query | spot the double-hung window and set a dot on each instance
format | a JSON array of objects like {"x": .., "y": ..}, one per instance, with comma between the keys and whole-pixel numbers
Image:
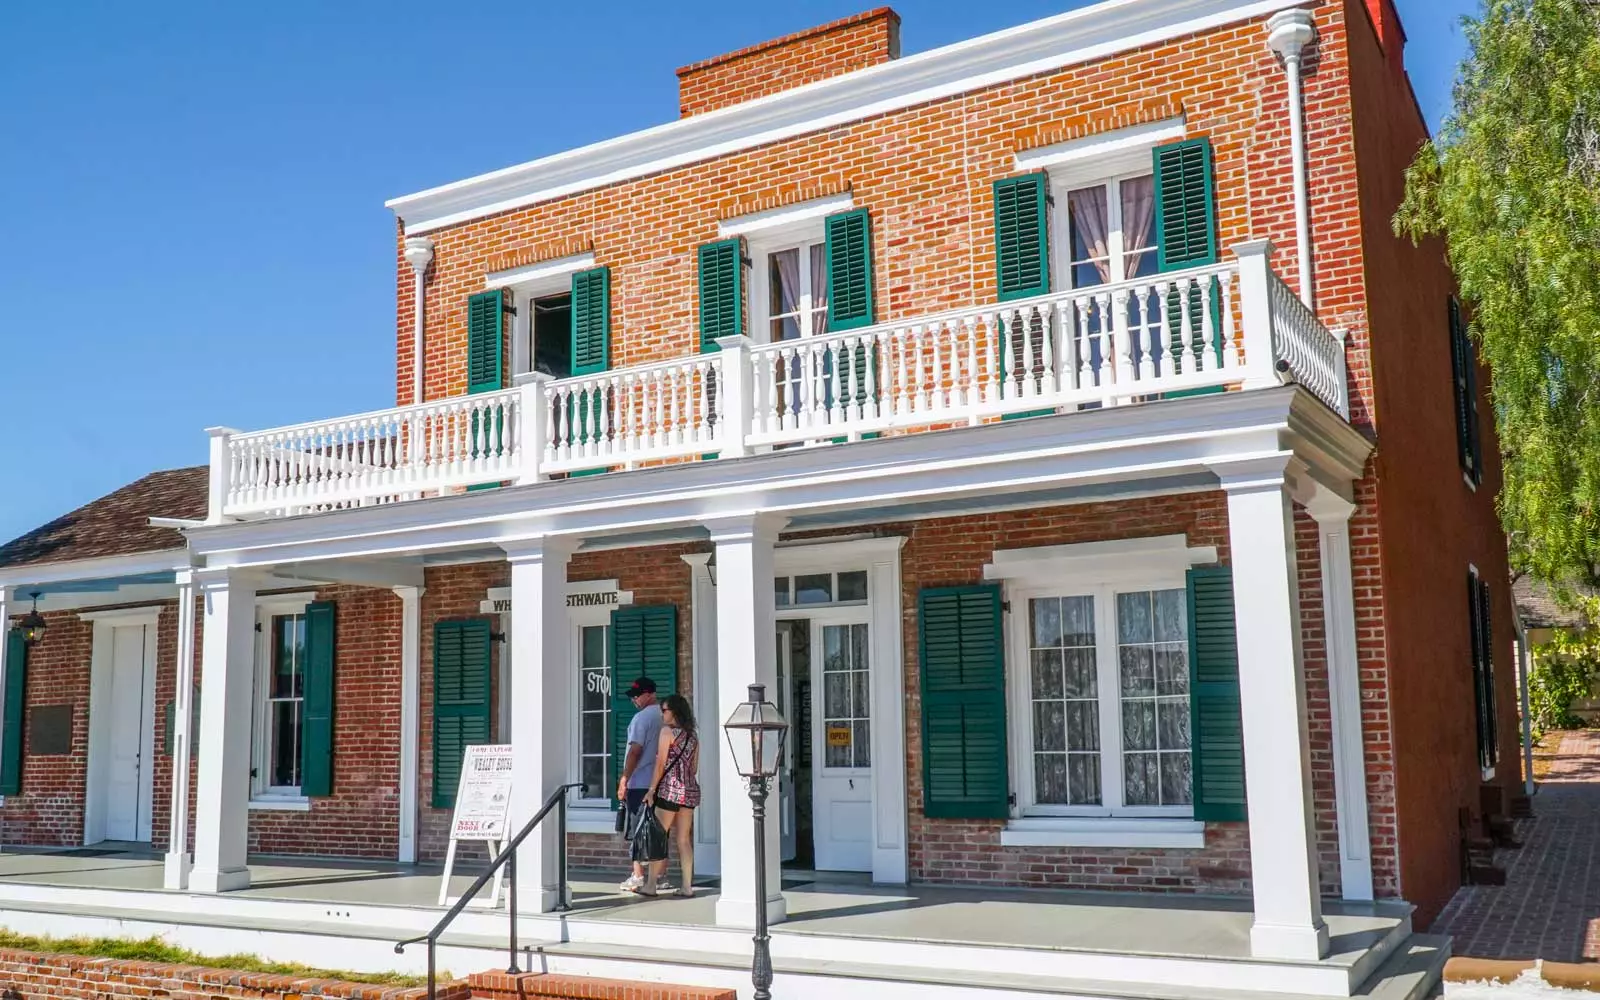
[
  {"x": 282, "y": 653},
  {"x": 594, "y": 713},
  {"x": 790, "y": 303},
  {"x": 1111, "y": 230},
  {"x": 1105, "y": 677}
]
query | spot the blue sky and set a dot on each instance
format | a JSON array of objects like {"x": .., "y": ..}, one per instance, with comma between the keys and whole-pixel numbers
[{"x": 194, "y": 230}]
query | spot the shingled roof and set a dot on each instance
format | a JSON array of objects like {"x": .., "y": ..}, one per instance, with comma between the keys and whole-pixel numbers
[
  {"x": 1539, "y": 608},
  {"x": 118, "y": 523}
]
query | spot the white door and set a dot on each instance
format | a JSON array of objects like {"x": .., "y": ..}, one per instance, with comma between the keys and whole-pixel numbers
[
  {"x": 841, "y": 818},
  {"x": 786, "y": 768},
  {"x": 127, "y": 808}
]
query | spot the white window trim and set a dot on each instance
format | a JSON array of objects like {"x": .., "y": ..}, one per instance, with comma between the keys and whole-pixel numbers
[
  {"x": 769, "y": 224},
  {"x": 1103, "y": 569},
  {"x": 802, "y": 234},
  {"x": 579, "y": 619},
  {"x": 534, "y": 281},
  {"x": 262, "y": 795}
]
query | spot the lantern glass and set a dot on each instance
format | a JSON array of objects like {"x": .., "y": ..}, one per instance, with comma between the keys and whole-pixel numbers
[
  {"x": 32, "y": 624},
  {"x": 756, "y": 733}
]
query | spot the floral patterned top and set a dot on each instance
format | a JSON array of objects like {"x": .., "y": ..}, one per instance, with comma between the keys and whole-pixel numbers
[{"x": 679, "y": 785}]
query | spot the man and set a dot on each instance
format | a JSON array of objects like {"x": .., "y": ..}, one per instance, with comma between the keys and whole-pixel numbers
[{"x": 638, "y": 768}]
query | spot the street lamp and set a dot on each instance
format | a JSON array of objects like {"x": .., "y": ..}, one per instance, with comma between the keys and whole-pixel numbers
[{"x": 756, "y": 732}]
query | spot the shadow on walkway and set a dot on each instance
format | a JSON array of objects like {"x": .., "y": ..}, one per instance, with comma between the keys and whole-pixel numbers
[{"x": 1549, "y": 907}]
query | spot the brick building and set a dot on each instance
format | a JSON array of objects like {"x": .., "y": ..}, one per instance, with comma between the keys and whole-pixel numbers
[{"x": 1051, "y": 423}]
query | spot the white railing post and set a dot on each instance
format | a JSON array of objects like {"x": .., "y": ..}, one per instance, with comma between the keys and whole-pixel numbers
[
  {"x": 1255, "y": 308},
  {"x": 533, "y": 425},
  {"x": 221, "y": 463},
  {"x": 1341, "y": 377},
  {"x": 738, "y": 410}
]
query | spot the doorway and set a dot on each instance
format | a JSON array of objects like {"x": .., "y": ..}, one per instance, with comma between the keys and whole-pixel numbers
[
  {"x": 122, "y": 733},
  {"x": 825, "y": 785}
]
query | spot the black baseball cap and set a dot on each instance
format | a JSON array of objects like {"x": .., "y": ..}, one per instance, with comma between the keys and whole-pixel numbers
[{"x": 643, "y": 685}]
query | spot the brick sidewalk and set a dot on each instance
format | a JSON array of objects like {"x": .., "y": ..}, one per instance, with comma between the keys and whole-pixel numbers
[{"x": 1549, "y": 907}]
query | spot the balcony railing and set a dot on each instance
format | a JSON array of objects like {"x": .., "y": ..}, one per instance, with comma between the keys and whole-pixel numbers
[{"x": 1231, "y": 325}]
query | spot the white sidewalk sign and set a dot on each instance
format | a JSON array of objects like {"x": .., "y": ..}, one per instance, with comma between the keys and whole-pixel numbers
[{"x": 483, "y": 806}]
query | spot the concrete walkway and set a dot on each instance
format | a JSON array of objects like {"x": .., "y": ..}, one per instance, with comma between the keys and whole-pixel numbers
[{"x": 1549, "y": 907}]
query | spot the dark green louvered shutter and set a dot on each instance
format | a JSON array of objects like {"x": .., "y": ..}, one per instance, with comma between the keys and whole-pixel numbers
[
  {"x": 1215, "y": 726},
  {"x": 16, "y": 687},
  {"x": 1186, "y": 215},
  {"x": 848, "y": 249},
  {"x": 316, "y": 720},
  {"x": 1021, "y": 236},
  {"x": 1480, "y": 618},
  {"x": 959, "y": 641},
  {"x": 485, "y": 342},
  {"x": 644, "y": 643},
  {"x": 1464, "y": 361},
  {"x": 591, "y": 321},
  {"x": 460, "y": 700},
  {"x": 721, "y": 291}
]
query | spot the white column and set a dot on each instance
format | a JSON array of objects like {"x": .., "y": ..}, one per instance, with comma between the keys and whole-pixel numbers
[
  {"x": 410, "y": 716},
  {"x": 1523, "y": 664},
  {"x": 222, "y": 796},
  {"x": 703, "y": 649},
  {"x": 1332, "y": 514},
  {"x": 1288, "y": 33},
  {"x": 419, "y": 254},
  {"x": 542, "y": 705},
  {"x": 737, "y": 397},
  {"x": 1277, "y": 755},
  {"x": 1255, "y": 312},
  {"x": 746, "y": 655},
  {"x": 176, "y": 868},
  {"x": 220, "y": 479}
]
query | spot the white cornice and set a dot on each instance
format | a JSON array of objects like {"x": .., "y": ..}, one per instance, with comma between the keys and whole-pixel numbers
[{"x": 1039, "y": 46}]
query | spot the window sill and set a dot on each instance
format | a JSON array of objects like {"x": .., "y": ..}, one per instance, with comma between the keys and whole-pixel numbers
[
  {"x": 588, "y": 819},
  {"x": 281, "y": 803},
  {"x": 1051, "y": 831}
]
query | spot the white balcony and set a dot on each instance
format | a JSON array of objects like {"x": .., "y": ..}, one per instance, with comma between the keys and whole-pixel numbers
[{"x": 1230, "y": 326}]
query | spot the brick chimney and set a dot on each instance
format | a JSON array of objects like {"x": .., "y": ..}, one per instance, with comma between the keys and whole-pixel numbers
[
  {"x": 1391, "y": 37},
  {"x": 804, "y": 57}
]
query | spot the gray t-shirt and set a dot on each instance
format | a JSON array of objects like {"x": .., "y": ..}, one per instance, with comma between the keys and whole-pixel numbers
[{"x": 645, "y": 730}]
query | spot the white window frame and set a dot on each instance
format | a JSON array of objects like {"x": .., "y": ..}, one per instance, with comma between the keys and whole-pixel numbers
[
  {"x": 535, "y": 281},
  {"x": 1102, "y": 569},
  {"x": 262, "y": 794},
  {"x": 1061, "y": 223},
  {"x": 582, "y": 618}
]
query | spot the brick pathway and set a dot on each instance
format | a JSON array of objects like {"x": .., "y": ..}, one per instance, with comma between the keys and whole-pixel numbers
[{"x": 1549, "y": 907}]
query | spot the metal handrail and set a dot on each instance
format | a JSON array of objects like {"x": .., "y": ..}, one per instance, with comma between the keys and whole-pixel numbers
[{"x": 508, "y": 859}]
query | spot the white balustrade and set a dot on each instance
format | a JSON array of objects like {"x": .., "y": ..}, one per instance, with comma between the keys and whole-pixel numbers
[
  {"x": 1233, "y": 324},
  {"x": 1312, "y": 354},
  {"x": 653, "y": 412},
  {"x": 386, "y": 455}
]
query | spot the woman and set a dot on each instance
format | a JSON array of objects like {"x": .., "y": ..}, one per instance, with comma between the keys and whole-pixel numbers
[{"x": 675, "y": 789}]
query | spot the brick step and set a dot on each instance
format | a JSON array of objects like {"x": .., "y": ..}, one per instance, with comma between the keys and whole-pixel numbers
[{"x": 505, "y": 986}]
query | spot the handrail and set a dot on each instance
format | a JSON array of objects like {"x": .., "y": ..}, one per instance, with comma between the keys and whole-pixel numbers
[{"x": 508, "y": 859}]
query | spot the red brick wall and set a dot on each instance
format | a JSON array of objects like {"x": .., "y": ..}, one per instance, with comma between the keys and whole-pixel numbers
[
  {"x": 850, "y": 43},
  {"x": 925, "y": 173},
  {"x": 50, "y": 809},
  {"x": 1432, "y": 524},
  {"x": 166, "y": 693},
  {"x": 952, "y": 551}
]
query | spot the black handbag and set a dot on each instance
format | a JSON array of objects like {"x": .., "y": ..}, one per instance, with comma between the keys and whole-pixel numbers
[{"x": 648, "y": 839}]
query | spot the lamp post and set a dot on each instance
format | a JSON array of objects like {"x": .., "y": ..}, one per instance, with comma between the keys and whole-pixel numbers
[{"x": 756, "y": 733}]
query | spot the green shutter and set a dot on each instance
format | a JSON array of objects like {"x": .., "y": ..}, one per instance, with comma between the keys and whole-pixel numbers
[
  {"x": 959, "y": 641},
  {"x": 316, "y": 719},
  {"x": 1480, "y": 618},
  {"x": 485, "y": 342},
  {"x": 1467, "y": 431},
  {"x": 644, "y": 643},
  {"x": 721, "y": 291},
  {"x": 16, "y": 688},
  {"x": 1021, "y": 236},
  {"x": 591, "y": 321},
  {"x": 1186, "y": 215},
  {"x": 848, "y": 249},
  {"x": 460, "y": 700},
  {"x": 1216, "y": 729}
]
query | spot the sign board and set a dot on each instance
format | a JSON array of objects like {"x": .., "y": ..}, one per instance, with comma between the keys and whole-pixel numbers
[
  {"x": 483, "y": 807},
  {"x": 583, "y": 594},
  {"x": 483, "y": 799},
  {"x": 838, "y": 736}
]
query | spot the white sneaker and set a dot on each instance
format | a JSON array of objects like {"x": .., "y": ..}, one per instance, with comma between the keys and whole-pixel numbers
[
  {"x": 631, "y": 883},
  {"x": 662, "y": 885}
]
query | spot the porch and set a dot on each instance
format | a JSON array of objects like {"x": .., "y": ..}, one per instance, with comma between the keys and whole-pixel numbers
[{"x": 843, "y": 935}]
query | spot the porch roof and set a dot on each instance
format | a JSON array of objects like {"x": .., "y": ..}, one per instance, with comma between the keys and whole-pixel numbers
[{"x": 116, "y": 524}]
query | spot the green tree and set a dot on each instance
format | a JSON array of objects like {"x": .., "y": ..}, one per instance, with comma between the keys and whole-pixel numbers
[{"x": 1512, "y": 183}]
